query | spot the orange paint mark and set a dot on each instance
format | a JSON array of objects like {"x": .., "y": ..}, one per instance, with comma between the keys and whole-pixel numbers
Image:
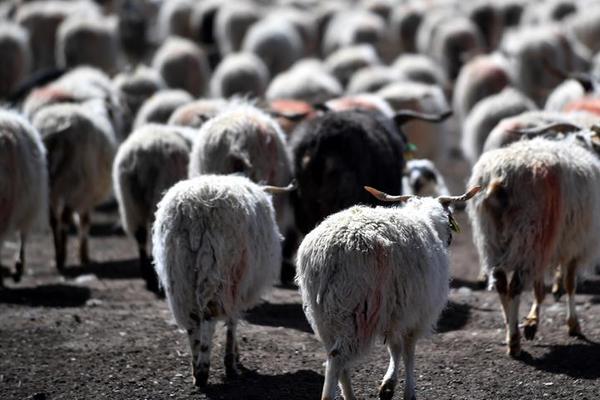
[
  {"x": 589, "y": 104},
  {"x": 233, "y": 287}
]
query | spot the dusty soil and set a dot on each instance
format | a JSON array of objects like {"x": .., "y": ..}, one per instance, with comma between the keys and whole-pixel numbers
[{"x": 95, "y": 333}]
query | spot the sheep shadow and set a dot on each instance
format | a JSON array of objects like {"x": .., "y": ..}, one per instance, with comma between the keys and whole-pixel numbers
[
  {"x": 288, "y": 315},
  {"x": 454, "y": 317},
  {"x": 251, "y": 385},
  {"x": 579, "y": 360},
  {"x": 457, "y": 283},
  {"x": 51, "y": 295},
  {"x": 119, "y": 269}
]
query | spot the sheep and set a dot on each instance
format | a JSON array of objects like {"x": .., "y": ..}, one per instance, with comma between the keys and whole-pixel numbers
[
  {"x": 80, "y": 147},
  {"x": 174, "y": 19},
  {"x": 371, "y": 79},
  {"x": 585, "y": 26},
  {"x": 79, "y": 85},
  {"x": 135, "y": 18},
  {"x": 422, "y": 178},
  {"x": 405, "y": 21},
  {"x": 161, "y": 106},
  {"x": 89, "y": 41},
  {"x": 134, "y": 88},
  {"x": 479, "y": 78},
  {"x": 290, "y": 113},
  {"x": 183, "y": 65},
  {"x": 216, "y": 248},
  {"x": 382, "y": 272},
  {"x": 353, "y": 28},
  {"x": 419, "y": 68},
  {"x": 489, "y": 19},
  {"x": 512, "y": 10},
  {"x": 540, "y": 209},
  {"x": 242, "y": 74},
  {"x": 304, "y": 22},
  {"x": 432, "y": 141},
  {"x": 23, "y": 181},
  {"x": 196, "y": 113},
  {"x": 325, "y": 149},
  {"x": 305, "y": 81},
  {"x": 231, "y": 24},
  {"x": 486, "y": 115},
  {"x": 344, "y": 62},
  {"x": 276, "y": 42},
  {"x": 531, "y": 50},
  {"x": 151, "y": 160},
  {"x": 365, "y": 101},
  {"x": 202, "y": 23},
  {"x": 547, "y": 11},
  {"x": 42, "y": 19},
  {"x": 569, "y": 91},
  {"x": 16, "y": 57}
]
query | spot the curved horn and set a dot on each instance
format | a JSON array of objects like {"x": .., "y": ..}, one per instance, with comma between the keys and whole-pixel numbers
[
  {"x": 561, "y": 127},
  {"x": 290, "y": 116},
  {"x": 447, "y": 200},
  {"x": 404, "y": 116},
  {"x": 386, "y": 197},
  {"x": 278, "y": 189}
]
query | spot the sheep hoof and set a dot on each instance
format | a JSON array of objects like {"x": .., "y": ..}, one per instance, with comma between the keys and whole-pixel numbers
[
  {"x": 557, "y": 292},
  {"x": 18, "y": 272},
  {"x": 232, "y": 366},
  {"x": 574, "y": 328},
  {"x": 530, "y": 328},
  {"x": 201, "y": 379},
  {"x": 514, "y": 351},
  {"x": 386, "y": 392}
]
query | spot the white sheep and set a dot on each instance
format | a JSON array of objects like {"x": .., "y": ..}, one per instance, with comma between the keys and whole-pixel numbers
[
  {"x": 276, "y": 42},
  {"x": 151, "y": 160},
  {"x": 80, "y": 145},
  {"x": 420, "y": 68},
  {"x": 242, "y": 74},
  {"x": 422, "y": 178},
  {"x": 372, "y": 78},
  {"x": 350, "y": 28},
  {"x": 160, "y": 106},
  {"x": 307, "y": 80},
  {"x": 23, "y": 181},
  {"x": 183, "y": 65},
  {"x": 15, "y": 59},
  {"x": 231, "y": 24},
  {"x": 88, "y": 40},
  {"x": 196, "y": 113},
  {"x": 541, "y": 208},
  {"x": 174, "y": 18},
  {"x": 380, "y": 272},
  {"x": 216, "y": 248},
  {"x": 486, "y": 115},
  {"x": 344, "y": 62}
]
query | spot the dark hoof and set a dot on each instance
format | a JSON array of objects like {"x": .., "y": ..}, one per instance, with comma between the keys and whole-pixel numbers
[
  {"x": 557, "y": 293},
  {"x": 232, "y": 366},
  {"x": 386, "y": 392},
  {"x": 201, "y": 379},
  {"x": 18, "y": 273},
  {"x": 529, "y": 330},
  {"x": 288, "y": 273}
]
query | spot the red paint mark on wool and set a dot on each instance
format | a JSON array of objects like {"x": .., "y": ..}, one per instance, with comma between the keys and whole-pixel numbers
[
  {"x": 551, "y": 208},
  {"x": 367, "y": 312},
  {"x": 589, "y": 104},
  {"x": 237, "y": 275}
]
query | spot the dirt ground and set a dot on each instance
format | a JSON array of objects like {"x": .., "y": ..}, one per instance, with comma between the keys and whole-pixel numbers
[{"x": 96, "y": 333}]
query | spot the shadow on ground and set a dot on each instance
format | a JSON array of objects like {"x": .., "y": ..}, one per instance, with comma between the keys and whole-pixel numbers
[
  {"x": 55, "y": 295},
  {"x": 579, "y": 360},
  {"x": 303, "y": 384},
  {"x": 119, "y": 269},
  {"x": 285, "y": 315},
  {"x": 454, "y": 317}
]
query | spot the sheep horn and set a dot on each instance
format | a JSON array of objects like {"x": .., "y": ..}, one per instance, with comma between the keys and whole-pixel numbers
[
  {"x": 278, "y": 189},
  {"x": 404, "y": 116},
  {"x": 561, "y": 127},
  {"x": 386, "y": 197},
  {"x": 293, "y": 117},
  {"x": 447, "y": 200}
]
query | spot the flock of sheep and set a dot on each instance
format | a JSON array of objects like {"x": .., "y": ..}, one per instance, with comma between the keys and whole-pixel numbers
[{"x": 252, "y": 140}]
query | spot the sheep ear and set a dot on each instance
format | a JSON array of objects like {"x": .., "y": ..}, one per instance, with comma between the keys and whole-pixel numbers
[
  {"x": 386, "y": 197},
  {"x": 561, "y": 127},
  {"x": 404, "y": 116},
  {"x": 277, "y": 189},
  {"x": 449, "y": 200}
]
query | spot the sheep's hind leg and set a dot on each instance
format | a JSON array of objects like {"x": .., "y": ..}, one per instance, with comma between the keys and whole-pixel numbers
[
  {"x": 200, "y": 338},
  {"x": 386, "y": 391},
  {"x": 146, "y": 270},
  {"x": 333, "y": 372},
  {"x": 20, "y": 264},
  {"x": 532, "y": 320},
  {"x": 408, "y": 354},
  {"x": 557, "y": 285},
  {"x": 232, "y": 356},
  {"x": 570, "y": 285},
  {"x": 60, "y": 239},
  {"x": 84, "y": 228},
  {"x": 346, "y": 385},
  {"x": 509, "y": 298}
]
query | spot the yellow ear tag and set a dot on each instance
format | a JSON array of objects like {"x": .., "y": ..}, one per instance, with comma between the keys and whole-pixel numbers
[
  {"x": 409, "y": 152},
  {"x": 453, "y": 224}
]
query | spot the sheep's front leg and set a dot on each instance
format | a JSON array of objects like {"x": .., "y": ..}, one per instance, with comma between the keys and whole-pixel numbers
[
  {"x": 570, "y": 285},
  {"x": 509, "y": 298},
  {"x": 200, "y": 338},
  {"x": 333, "y": 371},
  {"x": 20, "y": 264},
  {"x": 532, "y": 320},
  {"x": 408, "y": 354},
  {"x": 557, "y": 285},
  {"x": 386, "y": 391},
  {"x": 84, "y": 228},
  {"x": 232, "y": 357}
]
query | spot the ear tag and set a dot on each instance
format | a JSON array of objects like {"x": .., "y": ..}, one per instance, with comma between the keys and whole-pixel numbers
[
  {"x": 453, "y": 224},
  {"x": 409, "y": 153}
]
